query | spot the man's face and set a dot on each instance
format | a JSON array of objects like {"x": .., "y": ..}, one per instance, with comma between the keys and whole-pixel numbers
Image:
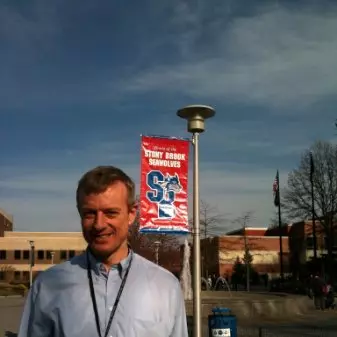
[{"x": 106, "y": 218}]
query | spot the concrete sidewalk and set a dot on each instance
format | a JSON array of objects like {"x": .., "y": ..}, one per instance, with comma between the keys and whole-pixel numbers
[{"x": 10, "y": 314}]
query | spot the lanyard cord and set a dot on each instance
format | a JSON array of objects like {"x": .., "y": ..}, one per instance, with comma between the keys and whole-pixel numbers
[{"x": 93, "y": 297}]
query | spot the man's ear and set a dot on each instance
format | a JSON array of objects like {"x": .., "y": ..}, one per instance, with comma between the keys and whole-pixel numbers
[{"x": 133, "y": 213}]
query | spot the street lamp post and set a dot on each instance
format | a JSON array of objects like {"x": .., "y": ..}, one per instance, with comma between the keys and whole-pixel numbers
[
  {"x": 195, "y": 116},
  {"x": 32, "y": 262},
  {"x": 156, "y": 245},
  {"x": 52, "y": 257}
]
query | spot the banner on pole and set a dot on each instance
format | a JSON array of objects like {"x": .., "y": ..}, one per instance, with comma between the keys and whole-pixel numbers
[{"x": 163, "y": 186}]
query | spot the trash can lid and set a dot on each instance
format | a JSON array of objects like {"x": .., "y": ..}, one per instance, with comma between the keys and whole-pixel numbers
[{"x": 220, "y": 310}]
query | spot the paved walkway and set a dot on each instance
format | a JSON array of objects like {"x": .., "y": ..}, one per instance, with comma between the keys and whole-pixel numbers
[{"x": 10, "y": 314}]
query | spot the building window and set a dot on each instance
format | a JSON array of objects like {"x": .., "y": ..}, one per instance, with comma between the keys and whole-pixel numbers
[
  {"x": 2, "y": 275},
  {"x": 63, "y": 255},
  {"x": 49, "y": 254},
  {"x": 3, "y": 255},
  {"x": 310, "y": 242},
  {"x": 16, "y": 275},
  {"x": 26, "y": 254},
  {"x": 17, "y": 254},
  {"x": 40, "y": 254},
  {"x": 71, "y": 254},
  {"x": 25, "y": 275}
]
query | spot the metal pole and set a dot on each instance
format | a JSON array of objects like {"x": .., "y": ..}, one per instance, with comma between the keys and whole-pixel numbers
[
  {"x": 196, "y": 241},
  {"x": 314, "y": 234},
  {"x": 196, "y": 115},
  {"x": 246, "y": 262},
  {"x": 313, "y": 224},
  {"x": 30, "y": 276},
  {"x": 31, "y": 263},
  {"x": 280, "y": 238}
]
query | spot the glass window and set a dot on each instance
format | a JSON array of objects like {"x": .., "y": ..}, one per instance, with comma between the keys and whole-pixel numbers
[
  {"x": 63, "y": 254},
  {"x": 26, "y": 254},
  {"x": 71, "y": 254},
  {"x": 17, "y": 275},
  {"x": 25, "y": 275},
  {"x": 17, "y": 254},
  {"x": 40, "y": 254},
  {"x": 310, "y": 242},
  {"x": 3, "y": 255}
]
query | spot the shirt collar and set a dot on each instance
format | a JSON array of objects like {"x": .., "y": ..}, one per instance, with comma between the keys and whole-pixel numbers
[{"x": 100, "y": 269}]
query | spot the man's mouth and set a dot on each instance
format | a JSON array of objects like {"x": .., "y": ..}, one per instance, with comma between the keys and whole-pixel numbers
[{"x": 102, "y": 236}]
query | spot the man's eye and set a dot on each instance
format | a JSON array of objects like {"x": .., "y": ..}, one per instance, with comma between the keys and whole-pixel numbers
[
  {"x": 89, "y": 214},
  {"x": 111, "y": 214}
]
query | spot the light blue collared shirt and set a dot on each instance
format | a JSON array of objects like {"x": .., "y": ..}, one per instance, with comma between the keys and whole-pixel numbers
[{"x": 59, "y": 303}]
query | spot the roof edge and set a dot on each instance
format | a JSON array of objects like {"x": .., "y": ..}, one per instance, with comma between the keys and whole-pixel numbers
[{"x": 6, "y": 215}]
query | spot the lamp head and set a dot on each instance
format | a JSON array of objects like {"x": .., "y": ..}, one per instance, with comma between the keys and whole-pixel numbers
[{"x": 196, "y": 115}]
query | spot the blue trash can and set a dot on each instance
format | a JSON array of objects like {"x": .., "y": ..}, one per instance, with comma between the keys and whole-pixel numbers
[{"x": 222, "y": 323}]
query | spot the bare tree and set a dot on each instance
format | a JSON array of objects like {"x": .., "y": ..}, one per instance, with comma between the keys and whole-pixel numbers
[
  {"x": 148, "y": 240},
  {"x": 297, "y": 195},
  {"x": 211, "y": 221},
  {"x": 8, "y": 272},
  {"x": 136, "y": 239},
  {"x": 243, "y": 221},
  {"x": 140, "y": 241},
  {"x": 274, "y": 221},
  {"x": 160, "y": 248}
]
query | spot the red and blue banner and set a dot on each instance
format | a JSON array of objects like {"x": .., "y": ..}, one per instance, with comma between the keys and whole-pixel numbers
[{"x": 163, "y": 185}]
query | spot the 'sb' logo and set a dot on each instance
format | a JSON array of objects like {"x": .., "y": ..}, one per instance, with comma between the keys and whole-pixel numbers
[{"x": 163, "y": 190}]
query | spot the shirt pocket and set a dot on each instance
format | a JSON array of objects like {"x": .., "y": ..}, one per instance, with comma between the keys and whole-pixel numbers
[{"x": 147, "y": 328}]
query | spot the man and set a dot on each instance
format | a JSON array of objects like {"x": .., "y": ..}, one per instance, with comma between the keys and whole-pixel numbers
[{"x": 109, "y": 290}]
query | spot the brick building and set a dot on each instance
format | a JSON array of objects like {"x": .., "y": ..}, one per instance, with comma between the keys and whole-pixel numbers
[
  {"x": 50, "y": 248},
  {"x": 219, "y": 254},
  {"x": 301, "y": 245},
  {"x": 6, "y": 222}
]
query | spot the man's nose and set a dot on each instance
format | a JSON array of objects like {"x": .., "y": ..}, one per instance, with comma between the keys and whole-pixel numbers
[{"x": 100, "y": 220}]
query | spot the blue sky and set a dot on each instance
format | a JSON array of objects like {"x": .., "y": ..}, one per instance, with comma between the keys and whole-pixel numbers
[{"x": 81, "y": 80}]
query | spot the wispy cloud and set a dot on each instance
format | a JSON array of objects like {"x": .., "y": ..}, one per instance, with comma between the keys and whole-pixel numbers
[{"x": 277, "y": 57}]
